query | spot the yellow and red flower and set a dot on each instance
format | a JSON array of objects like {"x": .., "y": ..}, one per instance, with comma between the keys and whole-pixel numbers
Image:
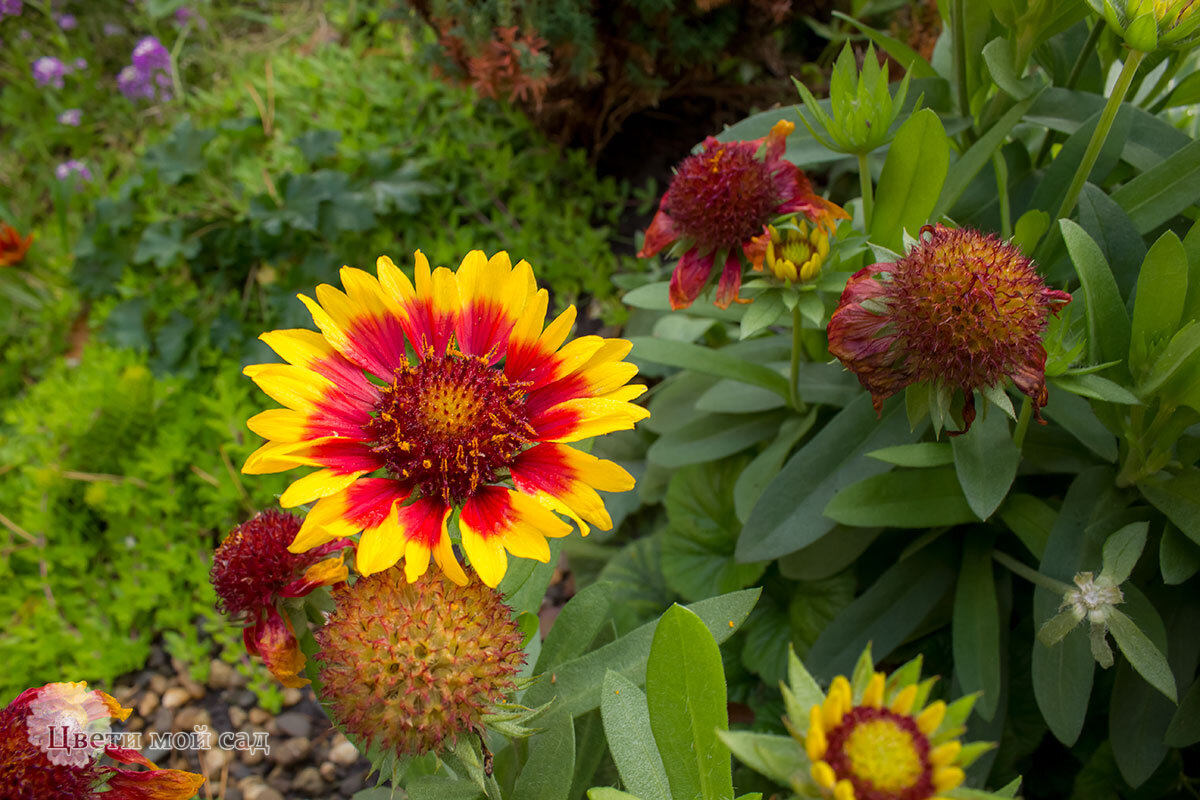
[
  {"x": 37, "y": 763},
  {"x": 718, "y": 207},
  {"x": 12, "y": 247},
  {"x": 962, "y": 311},
  {"x": 416, "y": 400},
  {"x": 253, "y": 571}
]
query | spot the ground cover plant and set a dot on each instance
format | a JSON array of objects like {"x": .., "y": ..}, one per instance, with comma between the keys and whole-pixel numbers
[{"x": 889, "y": 484}]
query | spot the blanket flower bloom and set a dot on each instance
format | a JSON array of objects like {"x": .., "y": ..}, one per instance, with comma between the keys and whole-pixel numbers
[
  {"x": 12, "y": 247},
  {"x": 470, "y": 404},
  {"x": 411, "y": 666},
  {"x": 38, "y": 761},
  {"x": 253, "y": 571},
  {"x": 718, "y": 207},
  {"x": 962, "y": 311}
]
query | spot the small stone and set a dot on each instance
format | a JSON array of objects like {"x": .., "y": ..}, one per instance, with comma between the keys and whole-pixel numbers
[
  {"x": 291, "y": 751},
  {"x": 238, "y": 771},
  {"x": 147, "y": 704},
  {"x": 252, "y": 757},
  {"x": 237, "y": 716},
  {"x": 175, "y": 697},
  {"x": 223, "y": 676},
  {"x": 158, "y": 683},
  {"x": 163, "y": 721},
  {"x": 232, "y": 793},
  {"x": 195, "y": 689},
  {"x": 294, "y": 723},
  {"x": 343, "y": 751},
  {"x": 308, "y": 781},
  {"x": 135, "y": 724},
  {"x": 245, "y": 699},
  {"x": 328, "y": 770},
  {"x": 254, "y": 788},
  {"x": 191, "y": 716},
  {"x": 215, "y": 760},
  {"x": 291, "y": 697},
  {"x": 354, "y": 783},
  {"x": 280, "y": 778},
  {"x": 260, "y": 716}
]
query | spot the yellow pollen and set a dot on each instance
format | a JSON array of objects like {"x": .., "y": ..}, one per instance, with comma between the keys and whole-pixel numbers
[
  {"x": 450, "y": 409},
  {"x": 881, "y": 752}
]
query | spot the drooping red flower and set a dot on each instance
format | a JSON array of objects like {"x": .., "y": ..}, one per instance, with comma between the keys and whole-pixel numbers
[
  {"x": 253, "y": 570},
  {"x": 40, "y": 759},
  {"x": 12, "y": 247},
  {"x": 963, "y": 310},
  {"x": 719, "y": 205}
]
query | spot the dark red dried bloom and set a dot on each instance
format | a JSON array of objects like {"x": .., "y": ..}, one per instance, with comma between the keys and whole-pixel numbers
[
  {"x": 962, "y": 310},
  {"x": 12, "y": 247},
  {"x": 720, "y": 202}
]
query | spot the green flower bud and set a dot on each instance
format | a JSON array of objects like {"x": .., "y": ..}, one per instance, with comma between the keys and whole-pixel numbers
[
  {"x": 862, "y": 106},
  {"x": 1149, "y": 25}
]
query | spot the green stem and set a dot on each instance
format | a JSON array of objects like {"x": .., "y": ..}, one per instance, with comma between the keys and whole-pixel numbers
[
  {"x": 1101, "y": 133},
  {"x": 868, "y": 193},
  {"x": 1030, "y": 574},
  {"x": 1072, "y": 78},
  {"x": 797, "y": 345},
  {"x": 1001, "y": 168},
  {"x": 1022, "y": 423},
  {"x": 959, "y": 27}
]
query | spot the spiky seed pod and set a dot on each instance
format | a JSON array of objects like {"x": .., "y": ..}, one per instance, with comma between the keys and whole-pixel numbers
[
  {"x": 411, "y": 666},
  {"x": 963, "y": 310}
]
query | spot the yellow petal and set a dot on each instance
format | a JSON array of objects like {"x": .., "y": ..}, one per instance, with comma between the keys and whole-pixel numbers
[
  {"x": 873, "y": 694},
  {"x": 327, "y": 572},
  {"x": 931, "y": 718},
  {"x": 316, "y": 485},
  {"x": 844, "y": 790},
  {"x": 823, "y": 774},
  {"x": 902, "y": 703},
  {"x": 946, "y": 778},
  {"x": 416, "y": 560},
  {"x": 381, "y": 547},
  {"x": 298, "y": 346},
  {"x": 524, "y": 542},
  {"x": 486, "y": 555},
  {"x": 323, "y": 523},
  {"x": 396, "y": 285},
  {"x": 945, "y": 754},
  {"x": 443, "y": 554},
  {"x": 815, "y": 741},
  {"x": 837, "y": 702},
  {"x": 279, "y": 425}
]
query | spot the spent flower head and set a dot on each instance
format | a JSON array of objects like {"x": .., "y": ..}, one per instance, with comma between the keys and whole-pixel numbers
[
  {"x": 253, "y": 572},
  {"x": 962, "y": 311},
  {"x": 12, "y": 247},
  {"x": 411, "y": 667},
  {"x": 718, "y": 207},
  {"x": 1149, "y": 25}
]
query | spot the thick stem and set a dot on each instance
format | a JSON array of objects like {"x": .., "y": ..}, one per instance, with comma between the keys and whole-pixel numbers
[
  {"x": 868, "y": 192},
  {"x": 1101, "y": 133},
  {"x": 797, "y": 345},
  {"x": 1030, "y": 574},
  {"x": 958, "y": 25},
  {"x": 1001, "y": 168},
  {"x": 1022, "y": 422}
]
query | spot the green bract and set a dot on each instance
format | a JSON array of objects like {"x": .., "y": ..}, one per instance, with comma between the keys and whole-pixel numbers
[{"x": 1149, "y": 25}]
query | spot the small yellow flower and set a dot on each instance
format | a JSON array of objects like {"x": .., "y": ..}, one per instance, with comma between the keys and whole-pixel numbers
[{"x": 796, "y": 252}]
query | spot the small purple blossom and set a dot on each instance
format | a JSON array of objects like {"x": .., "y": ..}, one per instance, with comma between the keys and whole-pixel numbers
[
  {"x": 24, "y": 35},
  {"x": 184, "y": 15},
  {"x": 73, "y": 167},
  {"x": 148, "y": 77},
  {"x": 149, "y": 55},
  {"x": 49, "y": 71},
  {"x": 79, "y": 64},
  {"x": 110, "y": 28},
  {"x": 72, "y": 117},
  {"x": 10, "y": 8},
  {"x": 67, "y": 22}
]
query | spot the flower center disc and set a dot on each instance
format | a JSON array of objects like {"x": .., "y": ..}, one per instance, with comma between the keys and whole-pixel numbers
[
  {"x": 883, "y": 754},
  {"x": 449, "y": 424},
  {"x": 722, "y": 197}
]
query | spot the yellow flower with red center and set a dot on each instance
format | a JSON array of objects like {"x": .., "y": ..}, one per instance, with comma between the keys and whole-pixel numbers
[
  {"x": 450, "y": 392},
  {"x": 718, "y": 207},
  {"x": 37, "y": 764},
  {"x": 12, "y": 247}
]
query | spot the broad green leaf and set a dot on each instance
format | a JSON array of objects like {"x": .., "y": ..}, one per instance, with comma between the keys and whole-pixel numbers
[
  {"x": 608, "y": 793},
  {"x": 636, "y": 569},
  {"x": 1177, "y": 358},
  {"x": 524, "y": 584},
  {"x": 1162, "y": 191},
  {"x": 1097, "y": 388},
  {"x": 712, "y": 437},
  {"x": 814, "y": 604},
  {"x": 826, "y": 383},
  {"x": 977, "y": 156},
  {"x": 436, "y": 787},
  {"x": 630, "y": 739},
  {"x": 672, "y": 403},
  {"x": 985, "y": 461},
  {"x": 1191, "y": 245},
  {"x": 1077, "y": 418},
  {"x": 708, "y": 361},
  {"x": 1110, "y": 227},
  {"x": 921, "y": 454},
  {"x": 828, "y": 555},
  {"x": 1178, "y": 556},
  {"x": 1177, "y": 496},
  {"x": 1143, "y": 656},
  {"x": 765, "y": 466},
  {"x": 887, "y": 613},
  {"x": 912, "y": 179},
  {"x": 1108, "y": 323},
  {"x": 578, "y": 681},
  {"x": 1158, "y": 305},
  {"x": 702, "y": 532},
  {"x": 976, "y": 625},
  {"x": 685, "y": 694},
  {"x": 576, "y": 625},
  {"x": 181, "y": 154},
  {"x": 656, "y": 297},
  {"x": 590, "y": 751},
  {"x": 903, "y": 499},
  {"x": 1122, "y": 551},
  {"x": 766, "y": 310},
  {"x": 780, "y": 758},
  {"x": 768, "y": 635},
  {"x": 998, "y": 56},
  {"x": 1030, "y": 519},
  {"x": 1184, "y": 729},
  {"x": 735, "y": 397},
  {"x": 1029, "y": 229},
  {"x": 551, "y": 763},
  {"x": 788, "y": 515},
  {"x": 165, "y": 245}
]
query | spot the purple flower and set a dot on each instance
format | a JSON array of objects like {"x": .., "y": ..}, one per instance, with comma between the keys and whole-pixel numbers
[
  {"x": 73, "y": 167},
  {"x": 80, "y": 64},
  {"x": 49, "y": 71},
  {"x": 184, "y": 15},
  {"x": 10, "y": 8},
  {"x": 110, "y": 28},
  {"x": 72, "y": 117},
  {"x": 67, "y": 22},
  {"x": 149, "y": 55},
  {"x": 148, "y": 77}
]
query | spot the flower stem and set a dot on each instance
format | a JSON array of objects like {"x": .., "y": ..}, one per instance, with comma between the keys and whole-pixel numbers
[
  {"x": 1022, "y": 423},
  {"x": 1081, "y": 60},
  {"x": 1101, "y": 133},
  {"x": 797, "y": 344},
  {"x": 868, "y": 194},
  {"x": 1030, "y": 574},
  {"x": 1001, "y": 167}
]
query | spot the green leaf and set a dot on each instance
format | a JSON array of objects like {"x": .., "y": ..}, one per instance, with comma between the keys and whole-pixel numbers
[
  {"x": 977, "y": 156},
  {"x": 1122, "y": 551},
  {"x": 735, "y": 397},
  {"x": 685, "y": 693},
  {"x": 1184, "y": 729},
  {"x": 181, "y": 154},
  {"x": 1097, "y": 388},
  {"x": 998, "y": 56},
  {"x": 1108, "y": 324},
  {"x": 436, "y": 787},
  {"x": 578, "y": 681},
  {"x": 1176, "y": 358},
  {"x": 708, "y": 361},
  {"x": 608, "y": 793},
  {"x": 524, "y": 584},
  {"x": 576, "y": 625},
  {"x": 712, "y": 437},
  {"x": 1030, "y": 228},
  {"x": 551, "y": 763},
  {"x": 828, "y": 555},
  {"x": 1077, "y": 418},
  {"x": 788, "y": 516},
  {"x": 1177, "y": 496},
  {"x": 1162, "y": 191},
  {"x": 702, "y": 532},
  {"x": 318, "y": 144},
  {"x": 1158, "y": 304},
  {"x": 903, "y": 499},
  {"x": 912, "y": 179},
  {"x": 164, "y": 244},
  {"x": 1178, "y": 556},
  {"x": 1030, "y": 519},
  {"x": 976, "y": 625},
  {"x": 985, "y": 461},
  {"x": 630, "y": 739},
  {"x": 921, "y": 454},
  {"x": 656, "y": 297},
  {"x": 888, "y": 612},
  {"x": 905, "y": 56},
  {"x": 780, "y": 758},
  {"x": 765, "y": 466},
  {"x": 766, "y": 310},
  {"x": 1143, "y": 656},
  {"x": 814, "y": 604}
]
